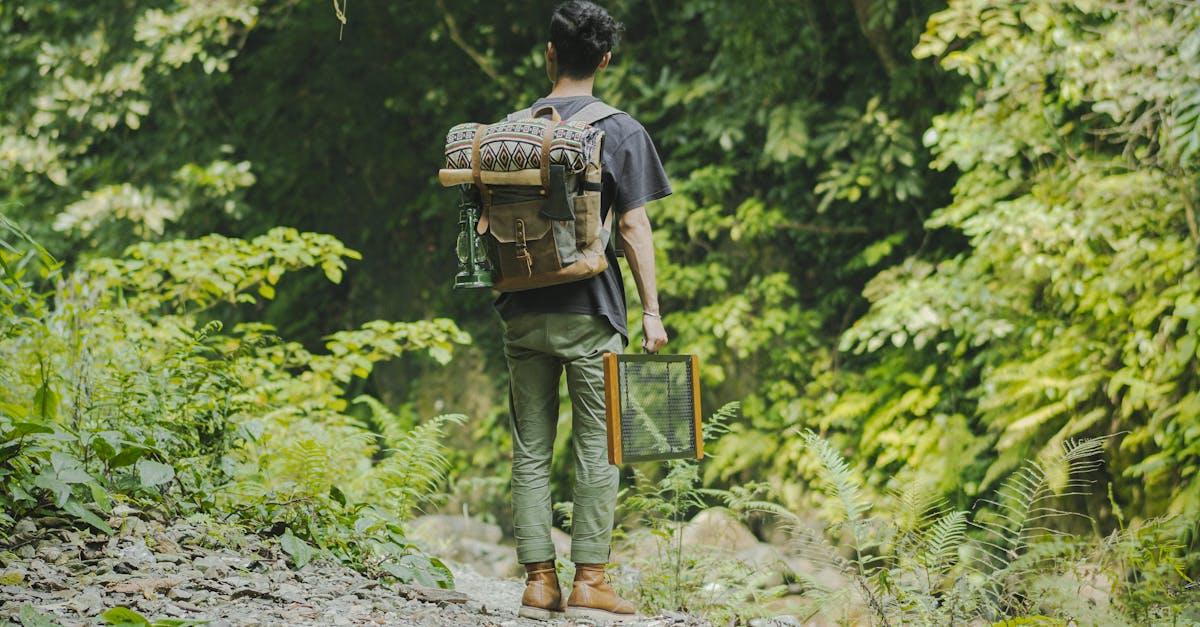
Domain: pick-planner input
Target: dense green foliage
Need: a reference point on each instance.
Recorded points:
(1074, 310)
(949, 237)
(115, 390)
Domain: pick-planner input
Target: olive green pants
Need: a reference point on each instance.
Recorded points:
(539, 347)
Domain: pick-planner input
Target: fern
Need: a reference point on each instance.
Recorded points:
(1023, 507)
(1016, 562)
(839, 480)
(413, 465)
(938, 549)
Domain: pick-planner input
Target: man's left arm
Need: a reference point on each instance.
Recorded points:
(638, 242)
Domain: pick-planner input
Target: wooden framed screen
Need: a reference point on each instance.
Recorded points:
(653, 407)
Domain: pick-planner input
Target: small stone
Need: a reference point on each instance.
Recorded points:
(211, 566)
(123, 510)
(87, 603)
(146, 586)
(49, 553)
(136, 555)
(290, 592)
(25, 528)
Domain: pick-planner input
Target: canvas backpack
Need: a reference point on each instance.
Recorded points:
(538, 181)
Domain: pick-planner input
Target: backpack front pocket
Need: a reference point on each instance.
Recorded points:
(524, 240)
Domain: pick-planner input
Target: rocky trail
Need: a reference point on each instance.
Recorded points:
(189, 573)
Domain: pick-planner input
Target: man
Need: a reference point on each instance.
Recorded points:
(571, 326)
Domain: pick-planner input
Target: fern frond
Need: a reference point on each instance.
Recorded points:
(814, 545)
(941, 542)
(782, 513)
(718, 423)
(1023, 507)
(413, 465)
(916, 506)
(840, 482)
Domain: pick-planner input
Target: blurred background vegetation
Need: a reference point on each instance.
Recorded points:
(948, 238)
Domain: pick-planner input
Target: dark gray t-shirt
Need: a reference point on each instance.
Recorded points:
(633, 175)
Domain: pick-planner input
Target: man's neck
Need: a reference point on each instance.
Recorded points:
(570, 87)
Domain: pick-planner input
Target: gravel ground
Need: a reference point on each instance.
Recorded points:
(186, 572)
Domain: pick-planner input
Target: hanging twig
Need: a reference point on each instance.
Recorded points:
(483, 62)
(340, 13)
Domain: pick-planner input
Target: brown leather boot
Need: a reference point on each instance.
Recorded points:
(543, 598)
(592, 597)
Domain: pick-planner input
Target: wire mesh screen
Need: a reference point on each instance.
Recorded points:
(653, 407)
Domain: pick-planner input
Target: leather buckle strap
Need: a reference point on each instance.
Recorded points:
(485, 193)
(523, 248)
(547, 139)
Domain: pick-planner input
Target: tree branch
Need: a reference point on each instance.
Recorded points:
(876, 34)
(452, 26)
(818, 228)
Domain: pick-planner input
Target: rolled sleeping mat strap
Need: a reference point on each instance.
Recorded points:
(464, 176)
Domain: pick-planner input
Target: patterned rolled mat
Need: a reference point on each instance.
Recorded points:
(517, 145)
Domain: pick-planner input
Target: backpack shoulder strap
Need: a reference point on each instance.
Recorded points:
(520, 115)
(594, 113)
(590, 114)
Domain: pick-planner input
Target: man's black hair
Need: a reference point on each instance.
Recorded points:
(581, 33)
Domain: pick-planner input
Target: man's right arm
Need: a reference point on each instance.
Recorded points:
(635, 232)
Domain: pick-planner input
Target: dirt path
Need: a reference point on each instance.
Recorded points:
(193, 573)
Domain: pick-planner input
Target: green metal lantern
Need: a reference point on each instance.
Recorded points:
(474, 271)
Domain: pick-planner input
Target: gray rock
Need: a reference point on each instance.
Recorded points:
(89, 602)
(718, 528)
(211, 565)
(443, 528)
(135, 555)
(23, 530)
(124, 511)
(49, 553)
(767, 562)
(562, 542)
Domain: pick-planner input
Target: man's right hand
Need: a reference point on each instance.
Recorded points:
(655, 336)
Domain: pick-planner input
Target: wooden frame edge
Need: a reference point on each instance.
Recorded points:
(696, 405)
(612, 410)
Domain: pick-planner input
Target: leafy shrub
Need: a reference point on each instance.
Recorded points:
(114, 388)
(923, 563)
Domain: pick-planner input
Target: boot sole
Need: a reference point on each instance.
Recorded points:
(537, 613)
(611, 618)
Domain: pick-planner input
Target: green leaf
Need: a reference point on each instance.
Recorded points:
(46, 401)
(21, 429)
(337, 495)
(78, 510)
(33, 618)
(300, 551)
(59, 488)
(154, 473)
(124, 617)
(129, 454)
